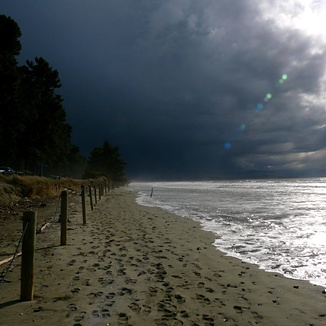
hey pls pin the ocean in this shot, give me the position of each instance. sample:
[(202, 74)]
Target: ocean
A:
[(280, 225)]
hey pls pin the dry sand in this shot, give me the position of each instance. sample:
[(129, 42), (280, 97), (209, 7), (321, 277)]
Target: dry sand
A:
[(135, 265)]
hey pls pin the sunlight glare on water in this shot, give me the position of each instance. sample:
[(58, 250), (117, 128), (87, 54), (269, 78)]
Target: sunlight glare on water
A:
[(278, 224)]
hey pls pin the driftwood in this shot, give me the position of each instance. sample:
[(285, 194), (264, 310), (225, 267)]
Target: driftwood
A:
[(9, 259), (42, 228)]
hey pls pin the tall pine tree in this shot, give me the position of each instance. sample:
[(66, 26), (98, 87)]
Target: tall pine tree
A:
[(106, 161), (46, 138), (33, 128), (10, 125)]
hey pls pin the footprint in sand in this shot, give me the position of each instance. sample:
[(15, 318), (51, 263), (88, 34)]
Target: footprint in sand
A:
[(221, 303), (72, 307), (208, 318), (239, 309), (202, 298), (147, 310), (95, 294), (80, 316), (179, 298), (152, 291), (95, 247), (184, 314), (135, 307), (256, 315), (210, 290), (129, 280), (105, 282), (103, 313), (86, 282), (96, 313), (124, 291), (200, 285), (109, 303), (121, 271), (122, 318), (75, 290)]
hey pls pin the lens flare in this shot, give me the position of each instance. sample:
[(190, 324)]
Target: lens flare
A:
[(227, 145), (259, 107)]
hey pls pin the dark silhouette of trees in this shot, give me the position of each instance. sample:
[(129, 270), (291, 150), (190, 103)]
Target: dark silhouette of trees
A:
[(106, 161), (9, 85), (46, 136), (33, 128)]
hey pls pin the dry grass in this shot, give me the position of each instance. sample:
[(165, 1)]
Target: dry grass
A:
[(13, 188)]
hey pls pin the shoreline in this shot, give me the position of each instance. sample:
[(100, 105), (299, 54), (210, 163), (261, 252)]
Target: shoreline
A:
[(284, 234), (141, 265)]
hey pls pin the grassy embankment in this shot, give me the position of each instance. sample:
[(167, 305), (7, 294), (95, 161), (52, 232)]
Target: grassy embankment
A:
[(14, 188)]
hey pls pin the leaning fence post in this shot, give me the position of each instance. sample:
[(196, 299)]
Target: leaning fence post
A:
[(90, 196), (28, 256), (64, 217), (83, 204)]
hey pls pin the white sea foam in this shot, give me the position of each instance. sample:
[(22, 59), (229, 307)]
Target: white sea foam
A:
[(278, 224)]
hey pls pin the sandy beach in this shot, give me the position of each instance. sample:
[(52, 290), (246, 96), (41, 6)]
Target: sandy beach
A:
[(136, 265)]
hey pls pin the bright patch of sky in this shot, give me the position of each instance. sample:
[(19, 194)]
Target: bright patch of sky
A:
[(308, 16)]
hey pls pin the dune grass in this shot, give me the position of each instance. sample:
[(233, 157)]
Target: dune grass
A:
[(13, 188)]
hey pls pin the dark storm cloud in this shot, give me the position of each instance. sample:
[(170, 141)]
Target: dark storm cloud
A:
[(171, 82)]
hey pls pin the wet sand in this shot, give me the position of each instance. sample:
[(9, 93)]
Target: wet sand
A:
[(136, 265)]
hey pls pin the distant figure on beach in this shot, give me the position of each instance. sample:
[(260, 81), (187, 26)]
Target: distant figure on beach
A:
[(151, 195)]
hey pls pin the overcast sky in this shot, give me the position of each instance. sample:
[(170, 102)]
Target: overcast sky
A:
[(188, 88)]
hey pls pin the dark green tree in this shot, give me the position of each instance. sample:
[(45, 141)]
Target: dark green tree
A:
[(33, 128), (106, 161), (75, 164), (46, 136), (10, 125)]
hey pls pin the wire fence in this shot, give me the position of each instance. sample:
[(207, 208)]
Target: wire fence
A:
[(14, 256), (102, 189)]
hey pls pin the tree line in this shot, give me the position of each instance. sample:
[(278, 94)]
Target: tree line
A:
[(34, 132)]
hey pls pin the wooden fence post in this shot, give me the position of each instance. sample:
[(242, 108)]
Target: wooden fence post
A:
[(83, 203), (64, 217), (95, 195), (90, 196), (100, 191), (28, 256)]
